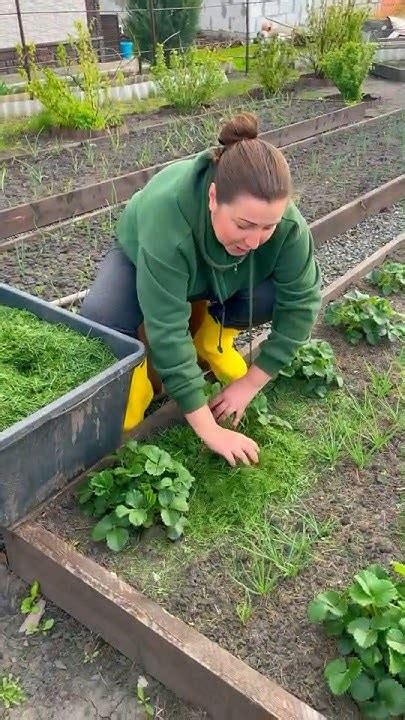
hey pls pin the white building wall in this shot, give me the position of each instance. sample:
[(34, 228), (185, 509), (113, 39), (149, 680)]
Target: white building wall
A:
[(229, 17), (41, 21)]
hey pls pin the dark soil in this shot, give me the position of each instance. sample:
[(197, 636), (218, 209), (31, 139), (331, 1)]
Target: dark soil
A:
[(71, 674), (63, 261), (48, 171), (363, 506)]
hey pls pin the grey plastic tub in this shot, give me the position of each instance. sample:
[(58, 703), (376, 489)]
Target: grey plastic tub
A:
[(40, 454)]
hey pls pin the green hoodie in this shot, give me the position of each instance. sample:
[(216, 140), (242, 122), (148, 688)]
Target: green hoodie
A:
[(166, 232)]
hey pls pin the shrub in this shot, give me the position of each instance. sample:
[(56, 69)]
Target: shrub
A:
[(275, 60), (348, 67), (364, 316), (186, 80), (369, 620), (85, 109), (315, 363), (389, 278), (173, 28), (330, 26), (145, 484)]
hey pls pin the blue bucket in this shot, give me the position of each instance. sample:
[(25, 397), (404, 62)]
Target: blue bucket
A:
[(127, 49)]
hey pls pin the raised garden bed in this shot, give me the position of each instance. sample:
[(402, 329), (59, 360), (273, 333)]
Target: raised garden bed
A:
[(393, 70), (65, 384), (45, 211), (328, 515), (51, 171), (61, 262)]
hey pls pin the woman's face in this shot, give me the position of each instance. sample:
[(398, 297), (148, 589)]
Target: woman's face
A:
[(246, 222)]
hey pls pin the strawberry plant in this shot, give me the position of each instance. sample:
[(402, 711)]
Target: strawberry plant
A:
[(365, 316), (369, 620), (144, 484), (314, 362), (389, 278)]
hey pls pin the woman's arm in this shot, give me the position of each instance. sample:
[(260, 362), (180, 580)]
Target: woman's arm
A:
[(162, 291), (297, 299)]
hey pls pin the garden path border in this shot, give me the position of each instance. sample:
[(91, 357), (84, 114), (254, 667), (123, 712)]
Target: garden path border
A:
[(54, 208), (192, 666)]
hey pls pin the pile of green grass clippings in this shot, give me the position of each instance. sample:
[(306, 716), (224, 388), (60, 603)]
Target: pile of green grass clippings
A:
[(40, 362)]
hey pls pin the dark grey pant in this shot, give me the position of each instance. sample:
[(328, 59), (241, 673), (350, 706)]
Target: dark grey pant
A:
[(113, 301)]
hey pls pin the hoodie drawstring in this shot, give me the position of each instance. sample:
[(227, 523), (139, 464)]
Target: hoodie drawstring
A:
[(251, 272)]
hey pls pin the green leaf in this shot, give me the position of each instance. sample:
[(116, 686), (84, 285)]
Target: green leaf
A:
[(180, 504), (372, 590), (399, 568), (375, 710), (135, 498), (364, 635), (173, 533), (47, 624), (165, 498), (396, 662), (35, 590), (278, 422), (121, 511), (137, 517), (163, 483), (334, 628), (396, 640), (157, 460), (26, 605), (370, 656), (345, 645), (393, 694), (117, 538), (326, 603), (340, 674), (170, 517), (362, 688), (100, 530), (84, 494)]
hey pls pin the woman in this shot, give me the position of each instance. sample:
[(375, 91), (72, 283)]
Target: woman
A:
[(219, 227)]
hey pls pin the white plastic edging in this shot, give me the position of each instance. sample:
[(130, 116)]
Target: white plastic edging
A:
[(20, 108)]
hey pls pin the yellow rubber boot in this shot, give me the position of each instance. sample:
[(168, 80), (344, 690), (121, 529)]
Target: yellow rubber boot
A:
[(227, 365), (139, 398)]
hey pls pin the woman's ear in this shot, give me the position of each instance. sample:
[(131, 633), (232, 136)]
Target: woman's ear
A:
[(212, 197)]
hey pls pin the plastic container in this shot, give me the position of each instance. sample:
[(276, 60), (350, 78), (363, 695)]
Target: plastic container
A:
[(127, 49), (41, 453)]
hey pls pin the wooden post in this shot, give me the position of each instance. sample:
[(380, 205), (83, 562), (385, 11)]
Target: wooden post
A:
[(247, 38), (152, 29), (22, 36)]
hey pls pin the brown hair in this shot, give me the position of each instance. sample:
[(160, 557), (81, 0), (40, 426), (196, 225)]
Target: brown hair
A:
[(246, 165)]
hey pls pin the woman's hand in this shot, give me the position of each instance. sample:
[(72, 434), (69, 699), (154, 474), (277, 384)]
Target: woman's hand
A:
[(233, 446), (234, 398)]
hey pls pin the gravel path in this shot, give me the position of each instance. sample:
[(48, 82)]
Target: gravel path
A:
[(344, 251)]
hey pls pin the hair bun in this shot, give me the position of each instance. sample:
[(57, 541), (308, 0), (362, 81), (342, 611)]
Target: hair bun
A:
[(241, 127)]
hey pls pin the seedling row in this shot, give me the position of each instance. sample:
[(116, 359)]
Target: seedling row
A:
[(44, 172)]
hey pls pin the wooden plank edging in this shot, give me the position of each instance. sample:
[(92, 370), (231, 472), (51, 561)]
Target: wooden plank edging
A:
[(195, 668), (51, 209), (353, 212)]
